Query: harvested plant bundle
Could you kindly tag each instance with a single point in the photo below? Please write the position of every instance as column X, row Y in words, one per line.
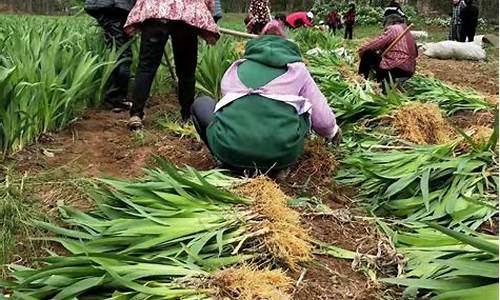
column 451, row 264
column 421, row 123
column 427, row 183
column 450, row 99
column 154, row 237
column 248, row 283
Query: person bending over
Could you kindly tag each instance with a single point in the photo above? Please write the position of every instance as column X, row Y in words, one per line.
column 158, row 20
column 270, row 102
column 111, row 16
column 299, row 19
column 399, row 62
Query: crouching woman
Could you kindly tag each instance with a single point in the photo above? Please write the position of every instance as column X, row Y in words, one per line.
column 270, row 103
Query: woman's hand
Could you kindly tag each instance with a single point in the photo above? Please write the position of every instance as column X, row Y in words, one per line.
column 337, row 139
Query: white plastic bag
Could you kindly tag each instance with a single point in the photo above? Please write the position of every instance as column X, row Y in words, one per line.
column 454, row 50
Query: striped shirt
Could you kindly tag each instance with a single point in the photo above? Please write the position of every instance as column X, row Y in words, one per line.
column 402, row 56
column 218, row 8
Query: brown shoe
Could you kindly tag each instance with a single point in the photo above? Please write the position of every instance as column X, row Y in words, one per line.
column 135, row 123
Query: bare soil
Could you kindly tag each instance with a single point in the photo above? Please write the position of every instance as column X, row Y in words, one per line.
column 99, row 144
column 481, row 76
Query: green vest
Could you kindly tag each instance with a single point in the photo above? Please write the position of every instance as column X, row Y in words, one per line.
column 255, row 132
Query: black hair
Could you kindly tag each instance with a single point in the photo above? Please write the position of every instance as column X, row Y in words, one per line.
column 393, row 19
column 280, row 17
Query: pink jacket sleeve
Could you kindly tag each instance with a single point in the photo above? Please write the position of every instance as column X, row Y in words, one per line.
column 322, row 116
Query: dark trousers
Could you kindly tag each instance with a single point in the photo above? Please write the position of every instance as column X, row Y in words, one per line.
column 348, row 31
column 370, row 61
column 112, row 22
column 203, row 114
column 467, row 33
column 333, row 28
column 154, row 37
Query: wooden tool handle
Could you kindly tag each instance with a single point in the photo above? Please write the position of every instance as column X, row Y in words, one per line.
column 397, row 40
column 238, row 33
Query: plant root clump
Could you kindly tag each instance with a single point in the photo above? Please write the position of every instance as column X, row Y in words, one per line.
column 422, row 123
column 479, row 135
column 482, row 134
column 315, row 167
column 350, row 75
column 249, row 283
column 286, row 239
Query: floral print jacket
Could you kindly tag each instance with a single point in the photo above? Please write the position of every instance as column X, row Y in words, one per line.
column 197, row 13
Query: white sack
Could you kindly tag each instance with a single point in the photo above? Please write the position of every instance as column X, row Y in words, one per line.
column 454, row 50
column 419, row 35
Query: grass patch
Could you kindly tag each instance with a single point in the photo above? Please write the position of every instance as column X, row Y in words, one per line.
column 17, row 212
column 25, row 199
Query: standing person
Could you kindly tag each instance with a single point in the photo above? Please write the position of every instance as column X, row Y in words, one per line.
column 394, row 8
column 270, row 103
column 456, row 22
column 218, row 11
column 157, row 20
column 298, row 19
column 349, row 20
column 469, row 17
column 333, row 21
column 259, row 14
column 111, row 16
column 399, row 62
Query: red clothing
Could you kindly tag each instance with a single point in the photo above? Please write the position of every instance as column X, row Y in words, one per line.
column 402, row 56
column 197, row 13
column 301, row 15
column 333, row 19
column 350, row 17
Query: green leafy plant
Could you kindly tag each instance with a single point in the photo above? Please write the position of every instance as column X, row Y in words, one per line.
column 213, row 63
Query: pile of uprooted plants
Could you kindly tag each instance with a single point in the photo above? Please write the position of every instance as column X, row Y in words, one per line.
column 173, row 234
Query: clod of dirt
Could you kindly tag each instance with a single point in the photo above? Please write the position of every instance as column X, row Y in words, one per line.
column 421, row 123
column 249, row 283
column 287, row 240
